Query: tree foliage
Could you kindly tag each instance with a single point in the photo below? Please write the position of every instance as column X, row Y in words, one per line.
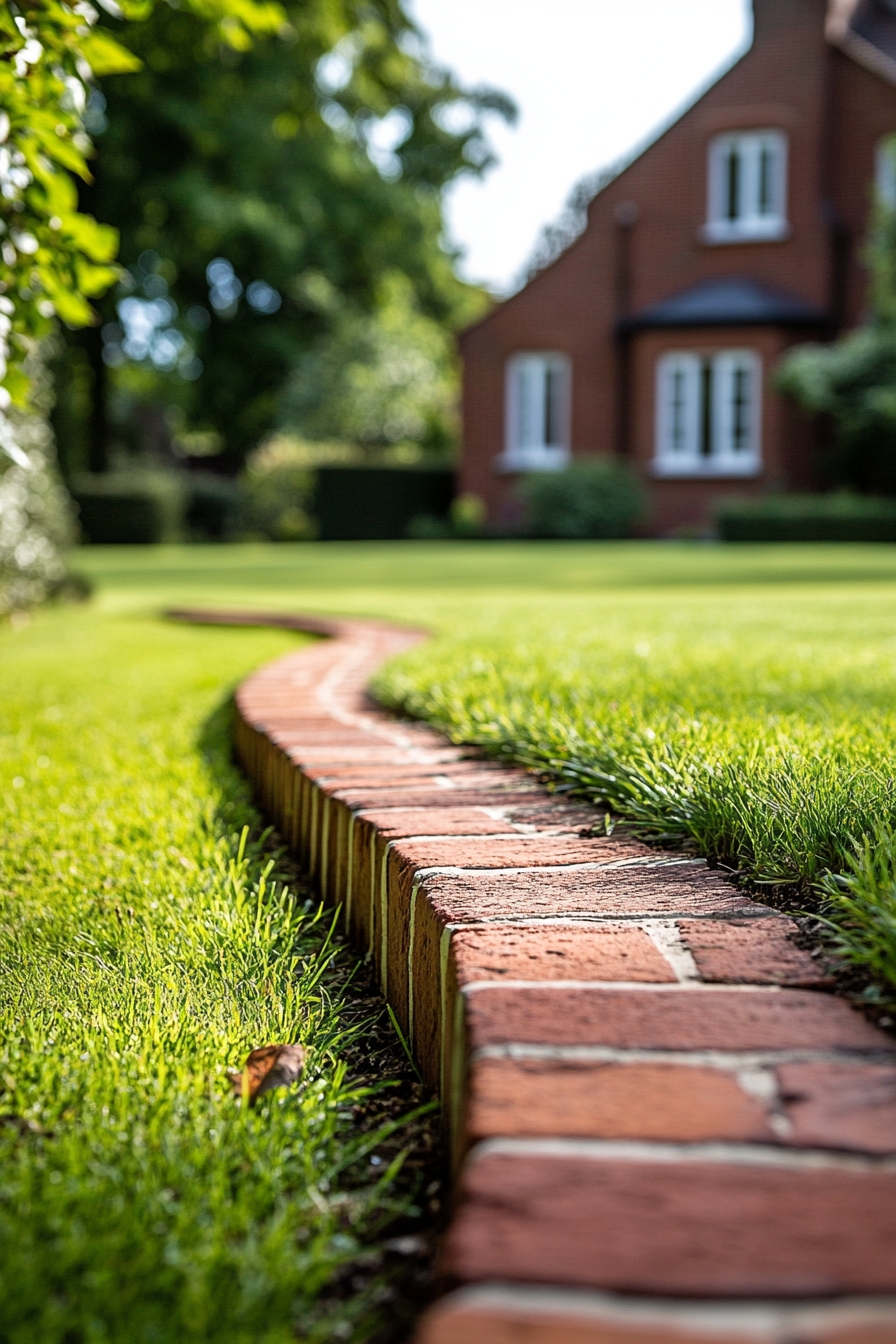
column 53, row 257
column 376, row 379
column 263, row 194
column 853, row 380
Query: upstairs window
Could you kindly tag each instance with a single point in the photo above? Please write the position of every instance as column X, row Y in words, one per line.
column 708, row 414
column 538, row 405
column 747, row 187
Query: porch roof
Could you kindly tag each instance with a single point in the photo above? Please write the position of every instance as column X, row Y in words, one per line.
column 727, row 302
column 866, row 31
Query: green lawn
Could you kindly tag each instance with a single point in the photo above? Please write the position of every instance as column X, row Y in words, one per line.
column 143, row 954
column 738, row 699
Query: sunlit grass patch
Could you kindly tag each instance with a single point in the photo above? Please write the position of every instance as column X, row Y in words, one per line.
column 145, row 948
column 760, row 734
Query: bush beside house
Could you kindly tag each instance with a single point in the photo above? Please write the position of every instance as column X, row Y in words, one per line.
column 593, row 497
column 837, row 517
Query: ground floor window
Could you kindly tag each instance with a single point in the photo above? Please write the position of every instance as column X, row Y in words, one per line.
column 538, row 412
column 708, row 414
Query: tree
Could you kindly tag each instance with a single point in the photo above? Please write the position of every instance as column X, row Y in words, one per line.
column 378, row 380
column 53, row 258
column 261, row 194
column 853, row 380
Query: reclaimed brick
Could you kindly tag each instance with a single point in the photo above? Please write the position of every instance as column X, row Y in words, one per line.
column 634, row 892
column 841, row 1105
column 526, row 1098
column 505, row 1314
column 684, row 1018
column 524, row 851
column 686, row 1227
column 400, row 823
column 759, row 952
column 558, row 952
column 654, row 1223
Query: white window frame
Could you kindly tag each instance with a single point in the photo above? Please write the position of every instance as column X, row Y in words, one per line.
column 693, row 439
column 756, row 220
column 526, row 446
column 885, row 171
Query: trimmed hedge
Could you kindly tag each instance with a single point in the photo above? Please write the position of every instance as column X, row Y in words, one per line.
column 839, row 517
column 125, row 508
column 378, row 503
column 213, row 507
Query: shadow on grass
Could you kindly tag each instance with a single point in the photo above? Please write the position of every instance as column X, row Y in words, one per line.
column 236, row 806
column 396, row 1252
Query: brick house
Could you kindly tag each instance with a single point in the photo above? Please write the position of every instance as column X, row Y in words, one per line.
column 736, row 234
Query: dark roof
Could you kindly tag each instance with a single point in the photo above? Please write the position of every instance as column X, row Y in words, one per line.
column 732, row 302
column 866, row 30
column 876, row 23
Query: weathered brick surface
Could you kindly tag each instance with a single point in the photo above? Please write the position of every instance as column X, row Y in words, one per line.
column 645, row 1090
column 748, row 953
column 524, row 851
column 558, row 952
column 639, row 890
column 685, row 1226
column 536, row 1098
column 676, row 1018
column 841, row 1105
column 508, row 1314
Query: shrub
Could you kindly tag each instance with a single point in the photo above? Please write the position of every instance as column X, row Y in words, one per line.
column 465, row 520
column 278, row 484
column 130, row 507
column 836, row 517
column 593, row 497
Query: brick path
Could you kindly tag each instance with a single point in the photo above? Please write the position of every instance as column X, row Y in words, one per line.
column 663, row 1128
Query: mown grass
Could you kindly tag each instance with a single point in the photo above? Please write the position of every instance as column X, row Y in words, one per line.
column 739, row 699
column 145, row 948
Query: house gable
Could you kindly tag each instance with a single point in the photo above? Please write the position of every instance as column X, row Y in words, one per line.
column 666, row 277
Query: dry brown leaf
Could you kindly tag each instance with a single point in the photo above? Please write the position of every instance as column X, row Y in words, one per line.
column 268, row 1067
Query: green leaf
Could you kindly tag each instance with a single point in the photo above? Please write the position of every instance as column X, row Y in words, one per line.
column 71, row 306
column 105, row 56
column 99, row 242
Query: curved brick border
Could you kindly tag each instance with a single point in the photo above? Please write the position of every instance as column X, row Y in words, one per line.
column 664, row 1129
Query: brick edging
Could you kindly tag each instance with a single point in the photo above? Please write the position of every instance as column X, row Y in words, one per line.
column 663, row 1127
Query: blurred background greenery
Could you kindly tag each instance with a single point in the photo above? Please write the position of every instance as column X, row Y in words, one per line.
column 280, row 215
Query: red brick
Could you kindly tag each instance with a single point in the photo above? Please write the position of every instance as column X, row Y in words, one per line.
column 558, row 952
column 640, row 891
column 504, row 1314
column 399, row 823
column 524, row 851
column 750, row 951
column 833, row 1105
column 364, row 798
column 689, row 1018
column 524, row 1098
column 574, row 816
column 413, row 772
column 469, row 1325
column 687, row 1227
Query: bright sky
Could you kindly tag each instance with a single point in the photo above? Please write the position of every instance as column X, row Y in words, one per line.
column 592, row 79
